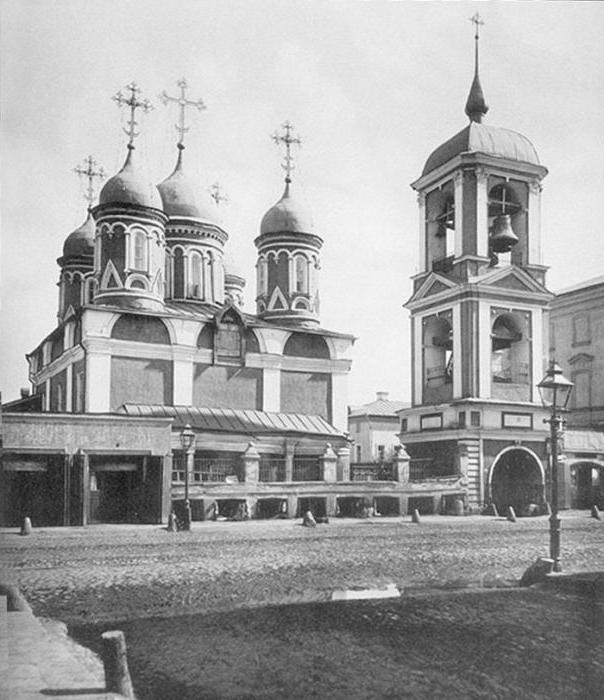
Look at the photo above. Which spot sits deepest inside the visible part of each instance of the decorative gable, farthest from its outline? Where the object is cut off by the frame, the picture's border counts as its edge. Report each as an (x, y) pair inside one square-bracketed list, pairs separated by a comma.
[(111, 278), (432, 285), (278, 301)]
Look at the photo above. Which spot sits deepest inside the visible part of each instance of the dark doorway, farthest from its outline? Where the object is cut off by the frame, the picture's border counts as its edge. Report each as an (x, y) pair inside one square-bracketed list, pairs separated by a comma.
[(587, 485), (112, 497), (387, 506), (268, 508), (517, 481), (316, 506), (424, 505)]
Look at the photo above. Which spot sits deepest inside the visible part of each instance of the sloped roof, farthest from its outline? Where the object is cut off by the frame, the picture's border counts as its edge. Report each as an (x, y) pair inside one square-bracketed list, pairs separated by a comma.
[(234, 420), (584, 441), (380, 407)]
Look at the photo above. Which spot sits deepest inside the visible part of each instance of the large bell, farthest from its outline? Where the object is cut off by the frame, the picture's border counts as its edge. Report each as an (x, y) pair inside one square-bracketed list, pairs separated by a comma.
[(502, 234)]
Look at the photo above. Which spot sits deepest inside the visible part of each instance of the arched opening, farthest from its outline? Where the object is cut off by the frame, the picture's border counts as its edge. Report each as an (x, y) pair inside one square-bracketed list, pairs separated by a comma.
[(301, 274), (196, 280), (142, 329), (517, 481), (139, 250), (306, 345), (205, 339), (179, 274), (510, 355), (251, 341), (446, 226), (438, 360), (502, 200), (586, 485)]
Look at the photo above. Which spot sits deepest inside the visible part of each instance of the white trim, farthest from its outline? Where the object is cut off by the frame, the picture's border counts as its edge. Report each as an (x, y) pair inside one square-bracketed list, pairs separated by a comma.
[(498, 458)]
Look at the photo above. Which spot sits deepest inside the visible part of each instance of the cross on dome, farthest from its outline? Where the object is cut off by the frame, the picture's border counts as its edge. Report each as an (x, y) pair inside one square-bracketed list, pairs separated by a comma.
[(217, 193), (476, 106), (133, 103), (288, 140), (88, 170), (182, 103)]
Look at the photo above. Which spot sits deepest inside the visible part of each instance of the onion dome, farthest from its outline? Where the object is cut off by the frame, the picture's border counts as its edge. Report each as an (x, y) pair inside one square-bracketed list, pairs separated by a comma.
[(130, 186), (80, 243), (289, 215), (179, 198), (480, 138)]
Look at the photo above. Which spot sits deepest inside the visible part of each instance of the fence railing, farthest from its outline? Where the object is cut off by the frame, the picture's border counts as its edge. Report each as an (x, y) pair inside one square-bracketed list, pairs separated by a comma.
[(272, 469), (307, 469), (210, 469), (424, 469), (372, 471)]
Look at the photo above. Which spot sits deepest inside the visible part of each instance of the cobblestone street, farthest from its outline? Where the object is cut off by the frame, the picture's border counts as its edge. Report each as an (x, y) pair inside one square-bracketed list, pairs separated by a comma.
[(114, 572)]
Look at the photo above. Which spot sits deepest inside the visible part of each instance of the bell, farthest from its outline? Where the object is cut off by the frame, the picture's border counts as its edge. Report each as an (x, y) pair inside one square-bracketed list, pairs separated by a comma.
[(502, 235)]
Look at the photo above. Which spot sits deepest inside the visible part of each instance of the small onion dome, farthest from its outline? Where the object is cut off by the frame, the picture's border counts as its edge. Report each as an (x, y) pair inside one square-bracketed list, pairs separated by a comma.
[(288, 215), (480, 138), (179, 198), (130, 186), (81, 241)]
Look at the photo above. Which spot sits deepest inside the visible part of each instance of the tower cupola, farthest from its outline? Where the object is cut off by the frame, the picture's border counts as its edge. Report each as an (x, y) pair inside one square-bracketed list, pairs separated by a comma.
[(288, 253), (130, 237), (194, 239)]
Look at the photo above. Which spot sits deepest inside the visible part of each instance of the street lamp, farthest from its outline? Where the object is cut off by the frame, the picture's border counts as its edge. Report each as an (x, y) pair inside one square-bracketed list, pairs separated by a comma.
[(555, 390), (187, 442)]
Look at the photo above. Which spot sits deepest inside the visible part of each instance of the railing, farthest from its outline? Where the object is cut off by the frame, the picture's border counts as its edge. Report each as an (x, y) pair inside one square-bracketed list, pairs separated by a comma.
[(307, 469), (372, 471), (272, 469), (424, 469), (210, 469)]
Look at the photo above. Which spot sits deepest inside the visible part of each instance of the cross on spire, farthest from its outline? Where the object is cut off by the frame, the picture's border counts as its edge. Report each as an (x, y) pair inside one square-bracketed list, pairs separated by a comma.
[(217, 193), (183, 103), (288, 140), (476, 107), (477, 22), (88, 170), (133, 103)]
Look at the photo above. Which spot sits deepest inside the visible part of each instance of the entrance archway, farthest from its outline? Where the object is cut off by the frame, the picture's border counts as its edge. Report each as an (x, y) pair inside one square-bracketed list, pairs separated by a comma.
[(517, 479)]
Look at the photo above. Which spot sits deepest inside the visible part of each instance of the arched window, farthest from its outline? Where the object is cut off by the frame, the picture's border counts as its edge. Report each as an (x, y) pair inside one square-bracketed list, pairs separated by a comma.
[(139, 250), (196, 283), (438, 359), (262, 275), (510, 354), (205, 339), (142, 329), (251, 341), (306, 345), (301, 272), (446, 225), (179, 274)]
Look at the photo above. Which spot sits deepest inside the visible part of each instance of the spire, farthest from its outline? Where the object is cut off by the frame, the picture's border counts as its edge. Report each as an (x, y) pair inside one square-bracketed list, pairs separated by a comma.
[(476, 107), (133, 103), (288, 160), (88, 169)]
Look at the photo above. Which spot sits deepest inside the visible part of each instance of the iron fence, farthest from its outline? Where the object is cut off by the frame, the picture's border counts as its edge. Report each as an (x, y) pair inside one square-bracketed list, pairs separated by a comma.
[(424, 469), (214, 469), (307, 469), (272, 469), (372, 471)]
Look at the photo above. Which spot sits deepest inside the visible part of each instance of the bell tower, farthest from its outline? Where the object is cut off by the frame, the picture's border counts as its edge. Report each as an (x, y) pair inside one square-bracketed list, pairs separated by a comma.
[(479, 304)]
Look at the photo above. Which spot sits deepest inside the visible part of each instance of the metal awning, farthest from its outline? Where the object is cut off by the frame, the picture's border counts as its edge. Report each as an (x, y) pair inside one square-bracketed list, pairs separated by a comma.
[(229, 420)]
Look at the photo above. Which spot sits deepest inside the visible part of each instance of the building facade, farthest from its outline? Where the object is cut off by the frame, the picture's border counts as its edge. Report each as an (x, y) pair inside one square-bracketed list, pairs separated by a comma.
[(374, 429)]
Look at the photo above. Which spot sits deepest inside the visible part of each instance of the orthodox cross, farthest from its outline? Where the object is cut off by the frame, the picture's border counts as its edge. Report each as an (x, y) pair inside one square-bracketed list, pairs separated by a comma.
[(133, 103), (477, 22), (88, 170), (216, 193), (287, 139), (183, 103)]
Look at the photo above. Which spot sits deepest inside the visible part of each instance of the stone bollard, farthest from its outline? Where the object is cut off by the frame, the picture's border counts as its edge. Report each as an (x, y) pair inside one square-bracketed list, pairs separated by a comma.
[(492, 510), (115, 662), (26, 527), (511, 515), (415, 517), (537, 572), (595, 512), (308, 519), (172, 525), (457, 508)]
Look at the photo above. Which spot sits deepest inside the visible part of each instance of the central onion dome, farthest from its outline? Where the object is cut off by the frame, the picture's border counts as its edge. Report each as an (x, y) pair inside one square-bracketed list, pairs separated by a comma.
[(288, 215), (179, 198), (130, 186), (80, 243)]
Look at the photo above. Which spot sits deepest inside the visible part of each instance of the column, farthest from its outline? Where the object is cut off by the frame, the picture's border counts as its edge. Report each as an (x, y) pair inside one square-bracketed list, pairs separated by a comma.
[(484, 351), (289, 461), (68, 406), (85, 488), (458, 198), (271, 389), (67, 465), (98, 381), (421, 202), (329, 460), (482, 213), (457, 353), (166, 488), (182, 372), (251, 464), (418, 360), (534, 223)]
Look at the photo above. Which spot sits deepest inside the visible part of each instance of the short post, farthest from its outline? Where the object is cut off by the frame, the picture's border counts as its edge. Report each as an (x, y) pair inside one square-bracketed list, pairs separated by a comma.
[(400, 464), (26, 526), (329, 460), (115, 663), (251, 464)]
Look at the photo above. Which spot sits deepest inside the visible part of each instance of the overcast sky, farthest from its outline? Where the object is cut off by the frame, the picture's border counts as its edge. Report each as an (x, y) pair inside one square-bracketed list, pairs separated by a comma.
[(371, 87)]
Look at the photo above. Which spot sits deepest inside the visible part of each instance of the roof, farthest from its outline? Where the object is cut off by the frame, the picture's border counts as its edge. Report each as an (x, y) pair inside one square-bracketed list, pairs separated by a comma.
[(583, 441), (380, 407), (481, 138), (580, 286), (230, 420), (290, 214)]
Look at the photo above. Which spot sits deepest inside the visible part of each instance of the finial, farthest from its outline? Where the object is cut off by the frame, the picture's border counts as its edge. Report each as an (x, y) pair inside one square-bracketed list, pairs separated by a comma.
[(133, 103), (216, 193), (87, 169), (476, 107), (287, 139), (183, 103)]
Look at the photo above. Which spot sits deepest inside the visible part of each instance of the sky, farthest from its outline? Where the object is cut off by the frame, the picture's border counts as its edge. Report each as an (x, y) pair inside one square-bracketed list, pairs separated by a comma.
[(372, 88)]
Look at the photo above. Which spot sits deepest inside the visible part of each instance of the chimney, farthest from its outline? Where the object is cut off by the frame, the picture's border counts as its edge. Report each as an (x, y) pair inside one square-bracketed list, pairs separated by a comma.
[(382, 395), (24, 392)]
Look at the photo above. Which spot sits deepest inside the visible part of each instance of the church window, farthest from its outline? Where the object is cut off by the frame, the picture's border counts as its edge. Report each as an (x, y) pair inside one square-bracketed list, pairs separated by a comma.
[(228, 339), (90, 290), (581, 330), (446, 226), (79, 392), (262, 276), (137, 284), (179, 274), (510, 357), (404, 424), (59, 398), (142, 329), (139, 256), (251, 342), (475, 419), (205, 339), (196, 286), (438, 359), (581, 394), (301, 271), (502, 201), (306, 345)]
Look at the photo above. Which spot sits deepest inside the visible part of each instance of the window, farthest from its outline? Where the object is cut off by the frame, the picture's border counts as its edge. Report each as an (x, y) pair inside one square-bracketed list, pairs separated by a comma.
[(461, 419), (581, 330), (404, 425), (79, 392), (381, 452), (301, 267), (196, 287), (502, 203), (358, 450), (446, 226), (262, 265), (581, 394), (139, 251), (475, 419)]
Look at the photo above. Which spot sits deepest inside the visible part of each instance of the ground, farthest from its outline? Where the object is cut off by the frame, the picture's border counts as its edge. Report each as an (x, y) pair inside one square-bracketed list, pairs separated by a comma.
[(450, 634)]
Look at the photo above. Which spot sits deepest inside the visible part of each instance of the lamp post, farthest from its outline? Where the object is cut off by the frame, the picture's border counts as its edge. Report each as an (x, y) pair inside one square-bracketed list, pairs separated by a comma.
[(187, 442), (555, 392)]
